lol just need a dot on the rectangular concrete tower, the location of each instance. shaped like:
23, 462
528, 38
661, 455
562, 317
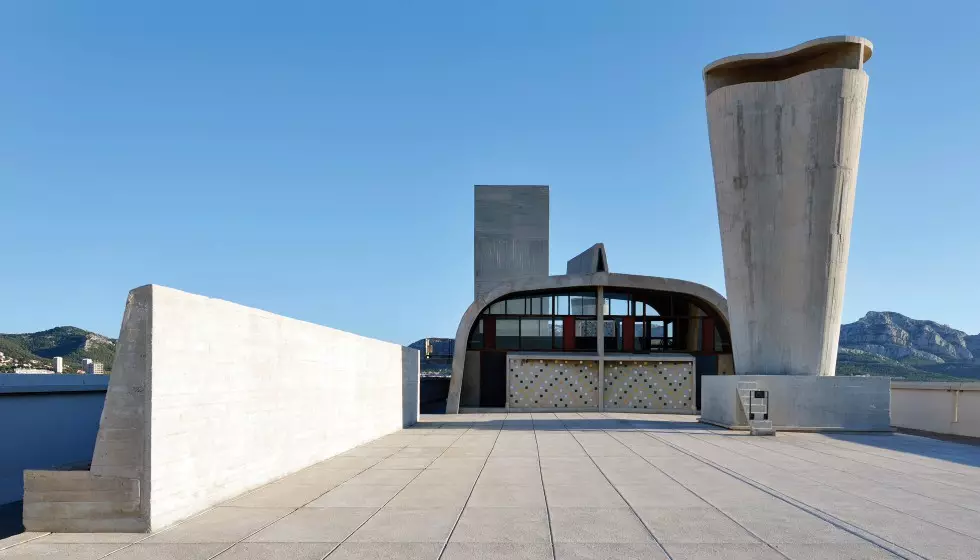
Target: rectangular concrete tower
510, 235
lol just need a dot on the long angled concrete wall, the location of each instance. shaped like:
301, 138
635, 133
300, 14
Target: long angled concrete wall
209, 399
785, 131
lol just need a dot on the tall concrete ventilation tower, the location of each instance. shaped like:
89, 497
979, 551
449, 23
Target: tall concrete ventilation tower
785, 131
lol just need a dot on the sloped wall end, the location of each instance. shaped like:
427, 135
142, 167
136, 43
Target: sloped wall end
111, 496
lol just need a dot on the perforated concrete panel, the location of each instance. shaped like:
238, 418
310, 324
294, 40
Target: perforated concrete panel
648, 385
539, 383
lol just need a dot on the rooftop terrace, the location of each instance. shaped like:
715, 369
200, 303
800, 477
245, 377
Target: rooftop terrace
584, 486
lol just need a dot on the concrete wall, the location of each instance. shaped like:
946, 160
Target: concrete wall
943, 408
209, 399
46, 421
803, 403
785, 145
510, 235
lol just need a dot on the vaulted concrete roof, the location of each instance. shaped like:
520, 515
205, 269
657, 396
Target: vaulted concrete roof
715, 302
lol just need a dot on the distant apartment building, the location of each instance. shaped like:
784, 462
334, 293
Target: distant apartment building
92, 366
59, 365
436, 354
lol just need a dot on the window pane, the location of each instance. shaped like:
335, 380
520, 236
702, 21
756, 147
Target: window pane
582, 304
639, 341
613, 337
651, 312
546, 305
619, 304
670, 329
638, 308
535, 334
508, 334
497, 308
562, 304
515, 306
535, 306
585, 334
559, 326
656, 329
476, 338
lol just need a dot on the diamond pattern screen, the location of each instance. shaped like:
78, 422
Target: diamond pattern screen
536, 383
650, 385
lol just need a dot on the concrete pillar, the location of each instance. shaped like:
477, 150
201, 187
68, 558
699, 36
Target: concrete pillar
600, 316
785, 131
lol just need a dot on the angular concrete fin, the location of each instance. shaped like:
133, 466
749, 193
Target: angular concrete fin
590, 261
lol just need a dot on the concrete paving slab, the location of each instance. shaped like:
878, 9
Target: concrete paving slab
34, 551
386, 551
20, 539
220, 525
283, 494
502, 525
431, 496
412, 463
81, 538
597, 525
498, 551
357, 495
693, 525
601, 495
408, 526
666, 495
277, 551
331, 524
605, 551
722, 552
825, 551
510, 495
385, 477
168, 551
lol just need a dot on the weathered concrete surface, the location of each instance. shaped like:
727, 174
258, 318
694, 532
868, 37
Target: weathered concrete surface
711, 299
209, 399
802, 402
546, 486
589, 261
785, 133
510, 235
942, 408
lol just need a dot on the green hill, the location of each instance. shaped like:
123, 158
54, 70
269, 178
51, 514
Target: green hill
71, 343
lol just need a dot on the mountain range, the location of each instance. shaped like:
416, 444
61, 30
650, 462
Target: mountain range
881, 343
71, 343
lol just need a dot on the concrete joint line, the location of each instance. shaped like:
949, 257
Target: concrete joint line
912, 515
472, 488
544, 489
716, 508
621, 496
868, 536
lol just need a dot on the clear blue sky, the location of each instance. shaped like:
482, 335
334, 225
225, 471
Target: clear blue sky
317, 159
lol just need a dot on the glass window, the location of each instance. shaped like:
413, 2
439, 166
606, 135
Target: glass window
536, 334
508, 334
585, 334
559, 327
540, 305
656, 329
639, 341
650, 311
561, 306
617, 304
582, 304
638, 308
476, 338
515, 306
497, 308
613, 335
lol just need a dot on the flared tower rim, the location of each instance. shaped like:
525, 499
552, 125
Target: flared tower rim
823, 43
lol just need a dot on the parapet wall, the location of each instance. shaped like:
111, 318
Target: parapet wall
209, 399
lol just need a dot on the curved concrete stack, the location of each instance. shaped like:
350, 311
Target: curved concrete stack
785, 131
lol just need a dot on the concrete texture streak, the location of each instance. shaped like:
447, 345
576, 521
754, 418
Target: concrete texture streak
209, 399
510, 235
785, 132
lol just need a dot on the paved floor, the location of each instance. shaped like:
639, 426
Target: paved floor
566, 486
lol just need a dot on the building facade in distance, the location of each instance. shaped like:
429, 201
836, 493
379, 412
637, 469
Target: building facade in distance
585, 340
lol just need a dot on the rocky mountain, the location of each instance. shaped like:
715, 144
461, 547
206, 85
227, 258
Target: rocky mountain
71, 343
889, 343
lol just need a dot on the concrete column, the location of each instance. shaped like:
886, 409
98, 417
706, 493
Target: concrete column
785, 131
600, 316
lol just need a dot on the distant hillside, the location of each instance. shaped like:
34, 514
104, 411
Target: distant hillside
889, 343
71, 343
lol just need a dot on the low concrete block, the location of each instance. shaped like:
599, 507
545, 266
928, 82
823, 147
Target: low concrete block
803, 402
